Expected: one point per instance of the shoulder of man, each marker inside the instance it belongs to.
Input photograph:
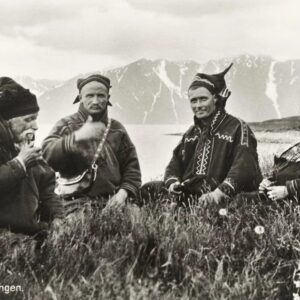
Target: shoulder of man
(73, 119)
(243, 129)
(117, 125)
(190, 130)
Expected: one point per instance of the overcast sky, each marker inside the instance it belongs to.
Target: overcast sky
(58, 39)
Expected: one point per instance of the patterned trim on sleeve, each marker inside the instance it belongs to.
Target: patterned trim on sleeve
(244, 133)
(228, 187)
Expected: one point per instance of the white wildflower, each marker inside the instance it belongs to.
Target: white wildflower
(223, 212)
(259, 229)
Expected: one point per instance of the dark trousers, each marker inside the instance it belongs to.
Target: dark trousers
(153, 191)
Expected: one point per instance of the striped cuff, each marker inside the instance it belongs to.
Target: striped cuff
(292, 188)
(69, 143)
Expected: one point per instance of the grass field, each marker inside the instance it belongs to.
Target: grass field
(238, 250)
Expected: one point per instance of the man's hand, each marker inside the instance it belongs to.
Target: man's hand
(90, 130)
(118, 200)
(213, 197)
(277, 192)
(56, 224)
(263, 186)
(174, 188)
(29, 154)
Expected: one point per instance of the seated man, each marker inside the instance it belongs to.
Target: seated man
(284, 180)
(75, 141)
(27, 202)
(216, 157)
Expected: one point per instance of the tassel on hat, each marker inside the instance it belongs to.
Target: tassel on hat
(215, 83)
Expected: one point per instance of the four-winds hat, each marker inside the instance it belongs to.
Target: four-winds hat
(16, 101)
(215, 83)
(81, 82)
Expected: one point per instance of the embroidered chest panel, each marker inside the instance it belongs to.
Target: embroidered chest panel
(203, 158)
(199, 146)
(205, 147)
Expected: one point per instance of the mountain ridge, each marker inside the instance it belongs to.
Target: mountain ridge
(155, 91)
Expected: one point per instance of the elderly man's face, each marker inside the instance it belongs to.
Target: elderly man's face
(94, 97)
(23, 127)
(203, 103)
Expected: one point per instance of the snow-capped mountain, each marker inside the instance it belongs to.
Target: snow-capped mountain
(38, 87)
(155, 92)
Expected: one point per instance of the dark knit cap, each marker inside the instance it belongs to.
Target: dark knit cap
(81, 82)
(16, 101)
(215, 83)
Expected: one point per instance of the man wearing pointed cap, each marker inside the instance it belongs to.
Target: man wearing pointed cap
(28, 203)
(72, 143)
(216, 157)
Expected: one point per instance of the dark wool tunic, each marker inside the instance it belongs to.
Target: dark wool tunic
(286, 170)
(27, 199)
(118, 165)
(293, 187)
(221, 154)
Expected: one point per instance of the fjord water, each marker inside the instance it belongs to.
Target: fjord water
(154, 145)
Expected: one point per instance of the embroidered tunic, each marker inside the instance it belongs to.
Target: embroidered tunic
(223, 154)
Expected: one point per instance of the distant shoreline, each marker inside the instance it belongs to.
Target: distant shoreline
(255, 129)
(274, 125)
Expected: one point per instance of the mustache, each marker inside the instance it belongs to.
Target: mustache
(98, 105)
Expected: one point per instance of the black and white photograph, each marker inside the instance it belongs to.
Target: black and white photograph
(150, 149)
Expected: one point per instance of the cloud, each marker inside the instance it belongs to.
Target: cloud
(17, 14)
(20, 57)
(195, 8)
(70, 35)
(126, 33)
(118, 31)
